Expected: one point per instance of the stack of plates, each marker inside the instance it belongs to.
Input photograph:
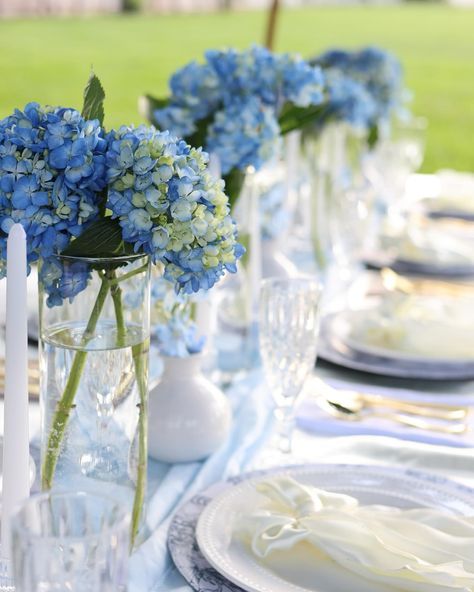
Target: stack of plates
(405, 266)
(447, 194)
(344, 342)
(206, 551)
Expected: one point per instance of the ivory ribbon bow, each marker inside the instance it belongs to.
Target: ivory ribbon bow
(420, 550)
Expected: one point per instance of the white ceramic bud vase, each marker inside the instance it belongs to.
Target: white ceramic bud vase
(189, 417)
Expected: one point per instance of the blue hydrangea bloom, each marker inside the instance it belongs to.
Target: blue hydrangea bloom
(63, 279)
(244, 135)
(378, 71)
(243, 93)
(170, 207)
(199, 87)
(349, 101)
(52, 166)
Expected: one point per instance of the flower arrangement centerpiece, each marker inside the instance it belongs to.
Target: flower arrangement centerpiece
(366, 93)
(238, 105)
(96, 208)
(366, 87)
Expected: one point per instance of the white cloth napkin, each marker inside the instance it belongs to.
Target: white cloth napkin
(419, 550)
(312, 418)
(415, 326)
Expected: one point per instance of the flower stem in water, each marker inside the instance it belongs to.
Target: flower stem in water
(65, 404)
(137, 353)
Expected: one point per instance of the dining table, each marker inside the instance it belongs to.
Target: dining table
(318, 438)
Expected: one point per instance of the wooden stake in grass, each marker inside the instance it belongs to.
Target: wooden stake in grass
(271, 24)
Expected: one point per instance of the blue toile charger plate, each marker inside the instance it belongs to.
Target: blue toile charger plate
(370, 484)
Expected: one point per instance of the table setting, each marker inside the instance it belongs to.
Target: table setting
(237, 346)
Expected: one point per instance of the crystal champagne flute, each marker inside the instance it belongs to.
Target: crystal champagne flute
(289, 324)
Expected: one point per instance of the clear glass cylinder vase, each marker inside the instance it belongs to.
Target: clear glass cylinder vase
(94, 328)
(236, 297)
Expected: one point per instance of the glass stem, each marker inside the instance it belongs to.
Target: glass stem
(65, 404)
(285, 425)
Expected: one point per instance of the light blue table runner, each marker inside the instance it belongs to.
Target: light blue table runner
(170, 485)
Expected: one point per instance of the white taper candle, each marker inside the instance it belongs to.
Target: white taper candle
(255, 246)
(16, 469)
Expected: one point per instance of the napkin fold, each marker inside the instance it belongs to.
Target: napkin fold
(413, 326)
(417, 550)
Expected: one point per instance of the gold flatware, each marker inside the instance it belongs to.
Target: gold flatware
(33, 378)
(358, 401)
(342, 412)
(394, 281)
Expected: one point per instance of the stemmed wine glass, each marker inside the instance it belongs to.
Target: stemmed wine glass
(289, 325)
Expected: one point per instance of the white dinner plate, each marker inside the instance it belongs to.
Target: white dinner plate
(351, 327)
(234, 560)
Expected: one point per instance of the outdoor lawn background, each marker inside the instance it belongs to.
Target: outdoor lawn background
(49, 60)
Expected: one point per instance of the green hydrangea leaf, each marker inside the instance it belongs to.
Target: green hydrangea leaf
(234, 181)
(373, 136)
(103, 238)
(94, 96)
(199, 138)
(293, 118)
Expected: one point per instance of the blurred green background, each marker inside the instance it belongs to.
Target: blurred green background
(48, 60)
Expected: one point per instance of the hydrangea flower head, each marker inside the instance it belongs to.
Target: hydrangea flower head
(63, 279)
(52, 166)
(378, 71)
(244, 135)
(349, 100)
(242, 93)
(170, 207)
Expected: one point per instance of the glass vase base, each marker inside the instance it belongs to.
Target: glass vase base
(101, 464)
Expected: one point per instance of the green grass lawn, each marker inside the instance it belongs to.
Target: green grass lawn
(49, 60)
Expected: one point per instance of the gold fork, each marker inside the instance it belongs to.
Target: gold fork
(358, 401)
(340, 411)
(394, 281)
(33, 377)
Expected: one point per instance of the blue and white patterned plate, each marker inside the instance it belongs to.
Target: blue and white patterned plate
(371, 484)
(455, 213)
(420, 268)
(182, 539)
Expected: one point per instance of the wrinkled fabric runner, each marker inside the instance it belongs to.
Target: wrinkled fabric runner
(151, 567)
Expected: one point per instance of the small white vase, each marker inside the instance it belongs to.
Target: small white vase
(189, 417)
